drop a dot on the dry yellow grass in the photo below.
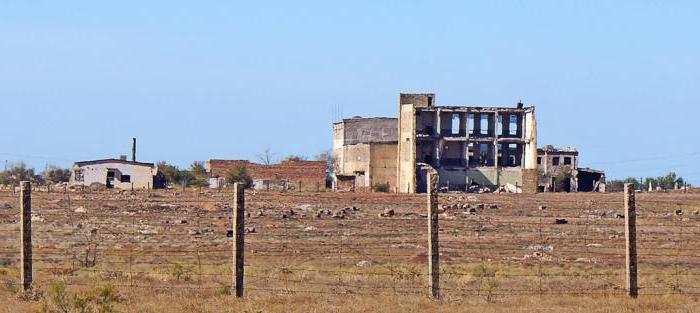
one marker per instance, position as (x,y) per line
(168,251)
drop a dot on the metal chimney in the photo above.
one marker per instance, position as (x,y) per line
(133,150)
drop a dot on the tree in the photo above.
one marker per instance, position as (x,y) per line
(239,175)
(295,158)
(199,173)
(17,172)
(55,174)
(563,180)
(331,164)
(266,157)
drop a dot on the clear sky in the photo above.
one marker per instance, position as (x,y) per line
(195,80)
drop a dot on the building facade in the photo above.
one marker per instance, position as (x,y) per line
(364,150)
(468,146)
(114,173)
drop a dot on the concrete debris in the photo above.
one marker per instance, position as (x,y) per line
(80,209)
(363,263)
(594,245)
(310,228)
(679,212)
(37,218)
(6,206)
(560,221)
(480,206)
(387,213)
(229,233)
(148,232)
(543,207)
(618,215)
(696,212)
(260,213)
(493,206)
(250,230)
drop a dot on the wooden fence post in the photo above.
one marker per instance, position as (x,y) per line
(433,244)
(25,263)
(238,238)
(631,241)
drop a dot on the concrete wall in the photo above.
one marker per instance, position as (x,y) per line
(406,158)
(484,176)
(367,130)
(141,175)
(383,164)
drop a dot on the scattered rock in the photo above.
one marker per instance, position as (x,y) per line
(260,213)
(679,212)
(80,209)
(6,206)
(250,230)
(229,233)
(543,207)
(480,206)
(594,245)
(560,221)
(310,228)
(493,206)
(471,210)
(363,263)
(696,212)
(340,215)
(619,215)
(36,218)
(387,213)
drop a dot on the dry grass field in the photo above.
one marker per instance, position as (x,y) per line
(168,251)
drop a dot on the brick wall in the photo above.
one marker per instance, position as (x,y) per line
(311,174)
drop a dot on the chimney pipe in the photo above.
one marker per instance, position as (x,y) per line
(133,150)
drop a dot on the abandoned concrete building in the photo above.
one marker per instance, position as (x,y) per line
(114,173)
(558,171)
(364,150)
(286,175)
(469,146)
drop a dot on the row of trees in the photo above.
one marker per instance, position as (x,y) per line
(668,182)
(17,172)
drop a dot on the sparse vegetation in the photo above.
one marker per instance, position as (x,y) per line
(55,174)
(239,175)
(381,187)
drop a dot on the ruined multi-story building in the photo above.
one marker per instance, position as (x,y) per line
(469,146)
(364,150)
(559,171)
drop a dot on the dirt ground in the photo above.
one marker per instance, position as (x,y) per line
(350,252)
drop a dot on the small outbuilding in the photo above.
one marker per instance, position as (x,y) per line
(114,173)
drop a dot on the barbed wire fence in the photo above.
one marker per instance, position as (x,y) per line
(307,243)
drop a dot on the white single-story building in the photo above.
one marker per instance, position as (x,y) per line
(114,173)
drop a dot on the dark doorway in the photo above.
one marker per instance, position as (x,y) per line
(110,178)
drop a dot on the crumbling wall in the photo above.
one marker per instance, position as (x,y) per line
(304,175)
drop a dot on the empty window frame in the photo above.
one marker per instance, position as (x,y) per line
(513,125)
(78,174)
(512,159)
(125,178)
(539,160)
(484,124)
(470,125)
(555,160)
(484,154)
(455,124)
(567,160)
(470,154)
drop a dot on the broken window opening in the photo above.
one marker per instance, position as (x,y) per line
(125,178)
(539,160)
(484,124)
(78,174)
(455,123)
(484,154)
(513,125)
(555,160)
(567,160)
(471,124)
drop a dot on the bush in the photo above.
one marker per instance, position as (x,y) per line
(239,175)
(56,174)
(100,299)
(381,187)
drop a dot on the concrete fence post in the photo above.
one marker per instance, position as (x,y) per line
(238,238)
(631,241)
(433,242)
(25,263)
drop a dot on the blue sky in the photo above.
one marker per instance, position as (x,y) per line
(225,79)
